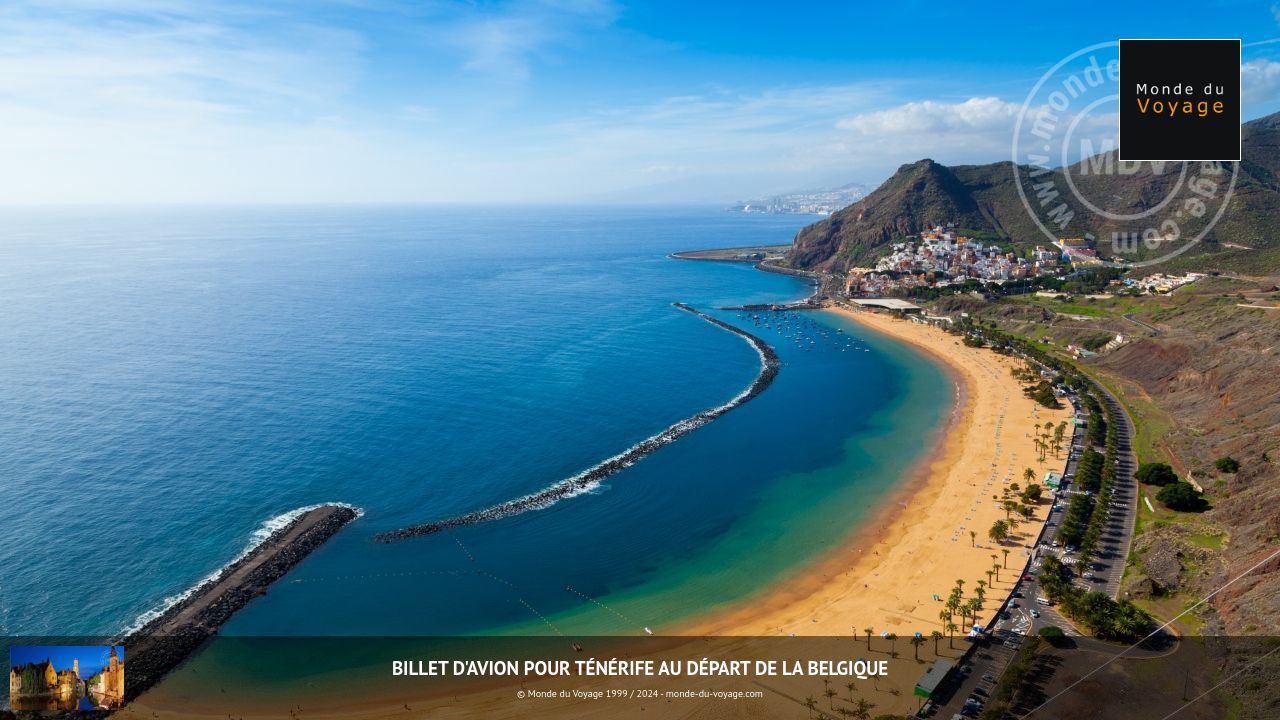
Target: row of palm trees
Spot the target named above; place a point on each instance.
(1050, 438)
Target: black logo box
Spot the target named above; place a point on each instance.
(1187, 65)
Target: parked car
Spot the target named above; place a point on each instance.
(1035, 613)
(989, 678)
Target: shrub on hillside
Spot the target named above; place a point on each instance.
(1156, 474)
(1181, 496)
(1227, 464)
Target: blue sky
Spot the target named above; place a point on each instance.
(139, 101)
(92, 657)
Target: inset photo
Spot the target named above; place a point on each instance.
(56, 678)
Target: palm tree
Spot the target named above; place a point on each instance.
(1006, 556)
(810, 703)
(1029, 474)
(996, 568)
(951, 629)
(936, 637)
(999, 531)
(863, 709)
(893, 644)
(973, 538)
(916, 642)
(989, 574)
(850, 686)
(868, 631)
(831, 694)
(976, 605)
(944, 616)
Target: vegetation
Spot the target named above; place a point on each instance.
(1156, 473)
(1031, 495)
(1054, 635)
(33, 681)
(1105, 617)
(999, 531)
(1182, 496)
(1089, 471)
(1227, 464)
(1042, 392)
(1076, 519)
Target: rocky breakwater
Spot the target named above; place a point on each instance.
(591, 477)
(165, 641)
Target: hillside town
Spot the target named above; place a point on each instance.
(942, 257)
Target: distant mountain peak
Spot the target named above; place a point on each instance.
(984, 200)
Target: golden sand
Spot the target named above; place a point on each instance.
(886, 577)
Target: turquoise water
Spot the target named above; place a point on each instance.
(175, 378)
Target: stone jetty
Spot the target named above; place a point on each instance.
(164, 642)
(590, 478)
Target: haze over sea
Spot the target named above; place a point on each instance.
(173, 378)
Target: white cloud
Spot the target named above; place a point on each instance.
(977, 114)
(505, 43)
(1259, 81)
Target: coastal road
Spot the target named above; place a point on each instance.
(1117, 536)
(1108, 564)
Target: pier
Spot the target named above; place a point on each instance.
(590, 478)
(166, 641)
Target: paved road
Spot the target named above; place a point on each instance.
(1107, 566)
(1117, 537)
(1154, 330)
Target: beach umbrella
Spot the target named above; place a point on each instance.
(918, 634)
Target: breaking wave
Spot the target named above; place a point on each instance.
(256, 538)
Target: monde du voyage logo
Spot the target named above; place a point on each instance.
(1180, 100)
(1126, 152)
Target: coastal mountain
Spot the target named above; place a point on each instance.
(983, 201)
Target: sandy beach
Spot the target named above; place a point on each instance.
(885, 576)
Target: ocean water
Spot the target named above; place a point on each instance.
(173, 379)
